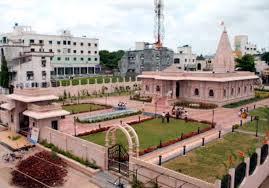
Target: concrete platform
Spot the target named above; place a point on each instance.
(7, 140)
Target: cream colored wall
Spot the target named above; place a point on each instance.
(165, 177)
(91, 88)
(80, 148)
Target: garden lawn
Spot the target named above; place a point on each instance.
(259, 95)
(212, 161)
(151, 132)
(263, 124)
(85, 107)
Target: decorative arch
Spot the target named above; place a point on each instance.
(129, 132)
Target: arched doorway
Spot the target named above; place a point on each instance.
(177, 89)
(199, 66)
(118, 157)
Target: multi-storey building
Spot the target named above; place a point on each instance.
(184, 59)
(243, 46)
(145, 58)
(33, 58)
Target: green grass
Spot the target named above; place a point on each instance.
(211, 162)
(259, 95)
(79, 108)
(151, 132)
(263, 124)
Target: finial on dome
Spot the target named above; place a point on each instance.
(224, 27)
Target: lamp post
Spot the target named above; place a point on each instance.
(213, 114)
(75, 126)
(257, 125)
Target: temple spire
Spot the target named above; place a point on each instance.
(224, 60)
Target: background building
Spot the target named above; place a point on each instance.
(184, 58)
(243, 46)
(33, 58)
(145, 57)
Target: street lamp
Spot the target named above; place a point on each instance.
(213, 114)
(75, 127)
(257, 125)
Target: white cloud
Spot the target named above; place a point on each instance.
(118, 24)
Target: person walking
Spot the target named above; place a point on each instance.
(168, 117)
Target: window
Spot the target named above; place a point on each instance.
(176, 61)
(54, 125)
(95, 59)
(186, 60)
(32, 41)
(43, 63)
(251, 88)
(67, 58)
(58, 42)
(69, 51)
(59, 58)
(81, 52)
(95, 52)
(74, 51)
(89, 44)
(245, 89)
(81, 44)
(239, 91)
(69, 42)
(74, 58)
(196, 92)
(74, 43)
(50, 50)
(89, 52)
(95, 44)
(147, 88)
(64, 42)
(224, 93)
(44, 75)
(82, 59)
(50, 41)
(29, 75)
(32, 50)
(41, 41)
(59, 51)
(89, 59)
(211, 93)
(158, 88)
(232, 92)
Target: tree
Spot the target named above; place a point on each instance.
(110, 59)
(265, 57)
(4, 75)
(246, 63)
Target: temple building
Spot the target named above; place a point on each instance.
(221, 86)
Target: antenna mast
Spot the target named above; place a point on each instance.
(159, 23)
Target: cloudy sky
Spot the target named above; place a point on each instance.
(119, 23)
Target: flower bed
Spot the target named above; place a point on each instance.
(141, 98)
(195, 105)
(108, 116)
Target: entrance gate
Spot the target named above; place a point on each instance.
(118, 160)
(118, 156)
